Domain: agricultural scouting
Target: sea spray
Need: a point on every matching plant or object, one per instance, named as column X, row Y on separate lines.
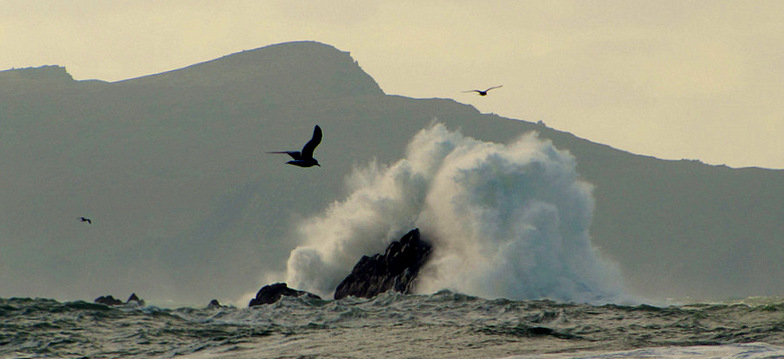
column 506, row 220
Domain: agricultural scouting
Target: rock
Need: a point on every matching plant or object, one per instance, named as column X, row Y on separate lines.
column 214, row 304
column 272, row 293
column 133, row 299
column 108, row 300
column 395, row 270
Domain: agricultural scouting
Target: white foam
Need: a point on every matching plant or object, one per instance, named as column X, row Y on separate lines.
column 506, row 221
column 727, row 351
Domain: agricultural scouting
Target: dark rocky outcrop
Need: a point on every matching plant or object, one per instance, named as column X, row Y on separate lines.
column 133, row 299
column 110, row 300
column 272, row 293
column 395, row 270
column 214, row 304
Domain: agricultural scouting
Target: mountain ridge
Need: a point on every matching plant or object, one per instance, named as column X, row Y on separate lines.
column 42, row 73
column 275, row 67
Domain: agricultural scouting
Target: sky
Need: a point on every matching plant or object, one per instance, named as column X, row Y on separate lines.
column 700, row 80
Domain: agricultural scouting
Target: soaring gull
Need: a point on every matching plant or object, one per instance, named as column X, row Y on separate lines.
column 84, row 219
column 483, row 93
column 305, row 158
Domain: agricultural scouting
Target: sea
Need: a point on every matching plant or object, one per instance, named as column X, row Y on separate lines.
column 446, row 324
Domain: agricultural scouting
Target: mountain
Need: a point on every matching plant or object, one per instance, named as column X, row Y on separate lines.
column 185, row 202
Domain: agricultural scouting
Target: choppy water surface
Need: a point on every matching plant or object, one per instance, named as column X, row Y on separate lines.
column 445, row 324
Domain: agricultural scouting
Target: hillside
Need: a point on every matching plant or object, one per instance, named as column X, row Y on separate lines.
column 187, row 206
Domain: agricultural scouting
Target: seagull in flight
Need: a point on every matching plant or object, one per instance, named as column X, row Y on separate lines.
column 305, row 158
column 84, row 219
column 483, row 93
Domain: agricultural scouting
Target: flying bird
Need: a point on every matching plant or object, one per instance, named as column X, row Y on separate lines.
column 83, row 219
column 305, row 158
column 484, row 93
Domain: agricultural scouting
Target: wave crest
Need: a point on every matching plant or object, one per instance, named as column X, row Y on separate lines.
column 506, row 221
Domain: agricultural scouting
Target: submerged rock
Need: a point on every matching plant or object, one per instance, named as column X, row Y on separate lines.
column 108, row 300
column 133, row 299
column 395, row 270
column 272, row 293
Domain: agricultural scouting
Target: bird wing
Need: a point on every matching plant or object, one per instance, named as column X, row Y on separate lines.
column 494, row 87
column 307, row 151
column 294, row 154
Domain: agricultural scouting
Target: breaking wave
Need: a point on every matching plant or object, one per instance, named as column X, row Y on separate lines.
column 506, row 220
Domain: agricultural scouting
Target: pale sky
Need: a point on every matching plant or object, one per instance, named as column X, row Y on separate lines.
column 672, row 79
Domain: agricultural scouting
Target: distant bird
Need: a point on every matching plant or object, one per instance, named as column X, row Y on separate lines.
column 83, row 219
column 305, row 158
column 484, row 93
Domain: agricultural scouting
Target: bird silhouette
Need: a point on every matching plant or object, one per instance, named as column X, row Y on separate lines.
column 83, row 219
column 484, row 93
column 305, row 158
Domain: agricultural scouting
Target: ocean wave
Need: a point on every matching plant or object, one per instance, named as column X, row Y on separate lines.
column 507, row 221
column 444, row 324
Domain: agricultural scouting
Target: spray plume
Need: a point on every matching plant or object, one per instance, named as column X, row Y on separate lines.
column 506, row 221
